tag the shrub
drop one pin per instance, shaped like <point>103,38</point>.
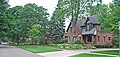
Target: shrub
<point>71,46</point>
<point>78,46</point>
<point>100,46</point>
<point>114,47</point>
<point>78,42</point>
<point>61,41</point>
<point>103,46</point>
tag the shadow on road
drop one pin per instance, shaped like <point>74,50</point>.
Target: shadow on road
<point>4,46</point>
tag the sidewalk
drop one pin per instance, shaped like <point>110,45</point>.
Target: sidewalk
<point>104,54</point>
<point>67,53</point>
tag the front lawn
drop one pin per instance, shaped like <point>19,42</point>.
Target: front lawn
<point>39,49</point>
<point>49,48</point>
<point>89,55</point>
<point>112,52</point>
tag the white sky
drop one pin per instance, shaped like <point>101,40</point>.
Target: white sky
<point>49,4</point>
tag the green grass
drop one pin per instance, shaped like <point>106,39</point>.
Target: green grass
<point>46,48</point>
<point>112,52</point>
<point>39,49</point>
<point>89,55</point>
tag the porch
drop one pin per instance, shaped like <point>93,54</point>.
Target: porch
<point>88,39</point>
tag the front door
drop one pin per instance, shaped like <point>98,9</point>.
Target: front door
<point>89,38</point>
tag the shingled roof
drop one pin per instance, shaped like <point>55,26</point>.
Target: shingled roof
<point>93,19</point>
<point>80,23</point>
<point>89,32</point>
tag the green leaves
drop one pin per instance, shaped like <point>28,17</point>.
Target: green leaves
<point>108,16</point>
<point>28,21</point>
<point>3,21</point>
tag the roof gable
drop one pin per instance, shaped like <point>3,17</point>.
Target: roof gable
<point>93,19</point>
<point>81,23</point>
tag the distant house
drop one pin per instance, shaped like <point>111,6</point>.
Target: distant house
<point>88,31</point>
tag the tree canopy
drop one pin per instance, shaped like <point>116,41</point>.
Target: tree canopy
<point>28,21</point>
<point>31,21</point>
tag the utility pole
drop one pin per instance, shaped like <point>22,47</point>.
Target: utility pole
<point>119,38</point>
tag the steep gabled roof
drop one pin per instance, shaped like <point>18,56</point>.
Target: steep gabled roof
<point>81,23</point>
<point>93,19</point>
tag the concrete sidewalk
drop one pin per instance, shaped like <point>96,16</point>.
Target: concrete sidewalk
<point>104,54</point>
<point>67,53</point>
<point>11,51</point>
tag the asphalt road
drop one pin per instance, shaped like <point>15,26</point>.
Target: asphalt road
<point>11,51</point>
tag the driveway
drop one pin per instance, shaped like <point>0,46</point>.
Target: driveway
<point>67,53</point>
<point>11,51</point>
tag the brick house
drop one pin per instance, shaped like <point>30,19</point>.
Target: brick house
<point>88,31</point>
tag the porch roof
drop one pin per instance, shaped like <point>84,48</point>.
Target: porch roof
<point>89,32</point>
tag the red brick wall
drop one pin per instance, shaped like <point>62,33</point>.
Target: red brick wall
<point>76,33</point>
<point>107,35</point>
<point>101,35</point>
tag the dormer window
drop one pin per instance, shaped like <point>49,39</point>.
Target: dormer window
<point>89,25</point>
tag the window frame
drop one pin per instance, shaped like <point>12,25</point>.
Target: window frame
<point>89,26</point>
<point>104,39</point>
<point>109,38</point>
<point>98,39</point>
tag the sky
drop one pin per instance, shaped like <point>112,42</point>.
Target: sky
<point>48,4</point>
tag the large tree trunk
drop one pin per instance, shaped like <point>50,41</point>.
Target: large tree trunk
<point>74,20</point>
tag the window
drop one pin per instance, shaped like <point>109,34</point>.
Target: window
<point>88,28</point>
<point>89,25</point>
<point>103,38</point>
<point>98,38</point>
<point>108,38</point>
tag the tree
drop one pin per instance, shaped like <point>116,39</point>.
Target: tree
<point>21,20</point>
<point>108,16</point>
<point>114,18</point>
<point>76,9</point>
<point>3,21</point>
<point>33,16</point>
<point>57,24</point>
<point>57,30</point>
<point>33,33</point>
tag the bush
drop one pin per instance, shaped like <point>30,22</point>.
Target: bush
<point>77,42</point>
<point>78,46</point>
<point>100,46</point>
<point>103,46</point>
<point>114,47</point>
<point>61,41</point>
<point>71,46</point>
